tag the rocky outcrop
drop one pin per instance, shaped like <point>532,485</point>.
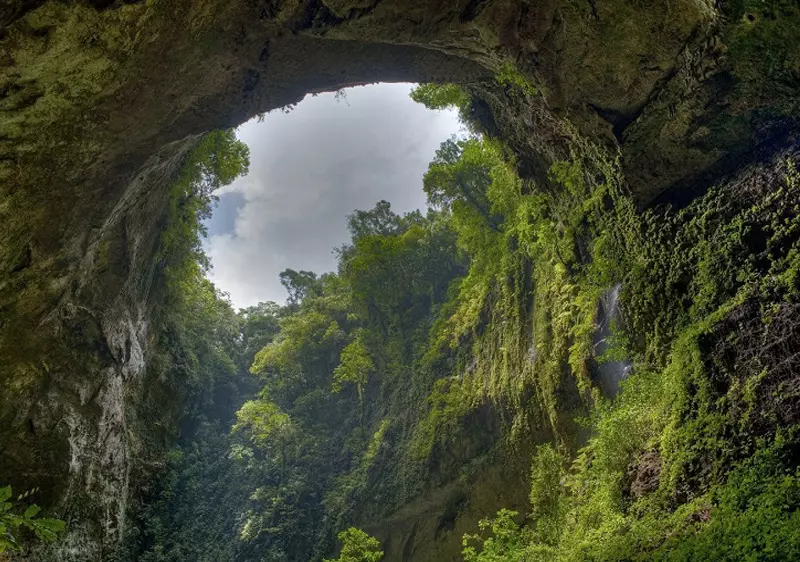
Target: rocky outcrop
<point>71,420</point>
<point>100,100</point>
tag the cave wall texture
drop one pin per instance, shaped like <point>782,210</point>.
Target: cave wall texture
<point>100,99</point>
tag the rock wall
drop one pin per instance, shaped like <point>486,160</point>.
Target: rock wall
<point>100,100</point>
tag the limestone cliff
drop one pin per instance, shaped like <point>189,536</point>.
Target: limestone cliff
<point>100,100</point>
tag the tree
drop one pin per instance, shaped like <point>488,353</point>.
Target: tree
<point>358,546</point>
<point>380,220</point>
<point>299,284</point>
<point>193,381</point>
<point>395,279</point>
<point>354,368</point>
<point>263,421</point>
<point>258,326</point>
<point>217,160</point>
<point>461,172</point>
<point>220,159</point>
<point>444,96</point>
<point>508,541</point>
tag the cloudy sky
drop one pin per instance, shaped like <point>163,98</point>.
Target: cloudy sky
<point>308,170</point>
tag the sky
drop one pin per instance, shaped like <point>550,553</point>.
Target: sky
<point>309,169</point>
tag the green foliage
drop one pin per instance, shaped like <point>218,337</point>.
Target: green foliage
<point>753,516</point>
<point>196,512</point>
<point>16,518</point>
<point>522,244</point>
<point>215,161</point>
<point>369,378</point>
<point>448,96</point>
<point>342,382</point>
<point>299,284</point>
<point>197,374</point>
<point>379,221</point>
<point>304,353</point>
<point>196,328</point>
<point>507,542</point>
<point>548,497</point>
<point>764,41</point>
<point>443,96</point>
<point>460,176</point>
<point>206,487</point>
<point>676,466</point>
<point>358,546</point>
<point>258,326</point>
<point>448,404</point>
<point>509,76</point>
<point>263,420</point>
<point>415,253</point>
<point>354,367</point>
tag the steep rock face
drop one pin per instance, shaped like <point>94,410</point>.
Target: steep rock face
<point>70,420</point>
<point>101,100</point>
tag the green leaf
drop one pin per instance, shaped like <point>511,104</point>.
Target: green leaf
<point>54,525</point>
<point>32,511</point>
<point>5,493</point>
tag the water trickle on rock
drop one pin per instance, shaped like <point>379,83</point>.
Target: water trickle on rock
<point>609,374</point>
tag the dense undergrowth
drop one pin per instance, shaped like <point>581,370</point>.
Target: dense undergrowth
<point>468,334</point>
<point>696,458</point>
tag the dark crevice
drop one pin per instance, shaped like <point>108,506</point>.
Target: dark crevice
<point>101,4</point>
<point>593,8</point>
<point>680,195</point>
<point>453,507</point>
<point>482,113</point>
<point>324,17</point>
<point>25,262</point>
<point>319,16</point>
<point>251,79</point>
<point>10,90</point>
<point>314,15</point>
<point>27,98</point>
<point>472,10</point>
<point>619,121</point>
<point>13,11</point>
<point>357,13</point>
<point>408,547</point>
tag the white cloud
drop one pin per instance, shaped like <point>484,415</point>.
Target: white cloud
<point>308,170</point>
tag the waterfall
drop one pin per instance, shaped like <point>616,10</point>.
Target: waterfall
<point>609,374</point>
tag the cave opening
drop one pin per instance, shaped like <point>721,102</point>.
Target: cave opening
<point>311,165</point>
<point>118,382</point>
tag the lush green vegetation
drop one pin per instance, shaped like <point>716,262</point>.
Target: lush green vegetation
<point>301,452</point>
<point>358,546</point>
<point>695,459</point>
<point>341,377</point>
<point>198,368</point>
<point>365,382</point>
<point>16,520</point>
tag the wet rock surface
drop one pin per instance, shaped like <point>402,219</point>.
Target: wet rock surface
<point>611,369</point>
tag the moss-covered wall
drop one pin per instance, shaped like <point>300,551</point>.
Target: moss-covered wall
<point>100,100</point>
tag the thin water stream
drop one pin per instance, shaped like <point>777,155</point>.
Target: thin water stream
<point>609,374</point>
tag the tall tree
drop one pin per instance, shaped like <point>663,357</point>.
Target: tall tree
<point>299,284</point>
